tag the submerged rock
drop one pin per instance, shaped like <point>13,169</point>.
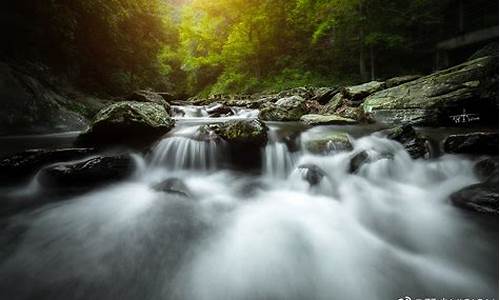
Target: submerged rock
<point>314,120</point>
<point>285,109</point>
<point>415,144</point>
<point>312,174</point>
<point>432,99</point>
<point>89,173</point>
<point>128,123</point>
<point>336,141</point>
<point>21,166</point>
<point>472,143</point>
<point>217,110</point>
<point>173,186</point>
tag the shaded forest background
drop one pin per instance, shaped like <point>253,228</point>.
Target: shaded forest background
<point>222,46</point>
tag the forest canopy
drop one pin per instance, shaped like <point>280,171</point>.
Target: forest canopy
<point>222,46</point>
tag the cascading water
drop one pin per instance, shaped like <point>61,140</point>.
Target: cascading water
<point>384,232</point>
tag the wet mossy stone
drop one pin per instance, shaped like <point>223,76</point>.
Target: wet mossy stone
<point>336,141</point>
<point>414,143</point>
<point>128,123</point>
<point>314,120</point>
<point>285,109</point>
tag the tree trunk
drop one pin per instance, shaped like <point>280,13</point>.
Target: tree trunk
<point>362,64</point>
<point>372,62</point>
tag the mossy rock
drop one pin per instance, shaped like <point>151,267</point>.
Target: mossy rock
<point>285,109</point>
<point>241,132</point>
<point>315,120</point>
<point>331,142</point>
<point>128,123</point>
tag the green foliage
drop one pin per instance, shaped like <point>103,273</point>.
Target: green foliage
<point>225,46</point>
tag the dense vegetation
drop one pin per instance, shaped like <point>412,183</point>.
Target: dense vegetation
<point>222,46</point>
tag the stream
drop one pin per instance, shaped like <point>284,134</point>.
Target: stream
<point>385,232</point>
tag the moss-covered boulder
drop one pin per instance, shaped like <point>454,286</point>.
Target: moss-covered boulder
<point>327,143</point>
<point>128,123</point>
<point>433,99</point>
<point>149,96</point>
<point>315,120</point>
<point>285,109</point>
<point>245,140</point>
<point>360,92</point>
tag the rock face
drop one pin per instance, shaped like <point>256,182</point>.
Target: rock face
<point>173,186</point>
<point>414,144</point>
<point>128,123</point>
<point>314,120</point>
<point>323,145</point>
<point>31,105</point>
<point>285,109</point>
<point>89,173</point>
<point>472,143</point>
<point>431,100</point>
<point>245,139</point>
<point>22,166</point>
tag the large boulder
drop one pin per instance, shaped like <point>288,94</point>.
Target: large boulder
<point>433,99</point>
<point>149,96</point>
<point>396,81</point>
<point>217,110</point>
<point>327,143</point>
<point>286,109</point>
<point>128,123</point>
<point>244,138</point>
<point>324,95</point>
<point>21,166</point>
<point>472,143</point>
<point>415,144</point>
<point>90,173</point>
<point>314,120</point>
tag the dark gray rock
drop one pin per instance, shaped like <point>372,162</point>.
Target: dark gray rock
<point>22,166</point>
<point>89,173</point>
<point>414,144</point>
<point>149,96</point>
<point>487,168</point>
<point>357,161</point>
<point>173,186</point>
<point>217,110</point>
<point>481,198</point>
<point>472,143</point>
<point>324,95</point>
<point>312,174</point>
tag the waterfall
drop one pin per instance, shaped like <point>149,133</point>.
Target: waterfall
<point>182,153</point>
<point>278,161</point>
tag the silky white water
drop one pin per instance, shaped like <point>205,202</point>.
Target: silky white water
<point>384,233</point>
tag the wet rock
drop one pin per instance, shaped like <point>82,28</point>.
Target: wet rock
<point>360,92</point>
<point>472,143</point>
<point>481,197</point>
<point>128,123</point>
<point>302,92</point>
<point>415,144</point>
<point>285,109</point>
<point>357,161</point>
<point>396,81</point>
<point>324,95</point>
<point>314,120</point>
<point>22,166</point>
<point>149,96</point>
<point>432,99</point>
<point>332,106</point>
<point>217,110</point>
<point>173,186</point>
<point>89,173</point>
<point>330,142</point>
<point>168,97</point>
<point>245,139</point>
<point>312,174</point>
<point>487,168</point>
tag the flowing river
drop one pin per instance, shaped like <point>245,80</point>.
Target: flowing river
<point>385,232</point>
